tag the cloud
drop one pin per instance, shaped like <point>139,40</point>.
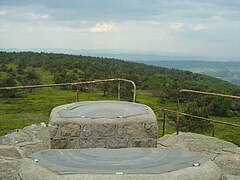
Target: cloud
<point>199,27</point>
<point>38,16</point>
<point>175,25</point>
<point>44,16</point>
<point>119,10</point>
<point>103,27</point>
<point>155,24</point>
<point>73,30</point>
<point>150,22</point>
<point>26,30</point>
<point>3,12</point>
<point>3,30</point>
<point>125,10</point>
<point>88,27</point>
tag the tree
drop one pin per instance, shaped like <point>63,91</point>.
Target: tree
<point>65,76</point>
<point>220,107</point>
<point>7,80</point>
<point>164,87</point>
<point>31,77</point>
<point>193,124</point>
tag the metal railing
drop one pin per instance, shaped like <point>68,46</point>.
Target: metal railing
<point>77,85</point>
<point>193,116</point>
<point>202,118</point>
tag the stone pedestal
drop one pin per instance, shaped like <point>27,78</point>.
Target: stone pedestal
<point>103,124</point>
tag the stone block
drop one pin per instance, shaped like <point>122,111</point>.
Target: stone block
<point>121,131</point>
<point>144,142</point>
<point>9,168</point>
<point>14,138</point>
<point>105,130</point>
<point>92,143</point>
<point>133,129</point>
<point>117,143</point>
<point>37,132</point>
<point>87,130</point>
<point>32,147</point>
<point>53,130</point>
<point>225,154</point>
<point>151,130</point>
<point>195,142</point>
<point>229,163</point>
<point>9,151</point>
<point>72,143</point>
<point>71,130</point>
<point>58,143</point>
<point>30,170</point>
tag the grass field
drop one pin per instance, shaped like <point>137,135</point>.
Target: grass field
<point>35,107</point>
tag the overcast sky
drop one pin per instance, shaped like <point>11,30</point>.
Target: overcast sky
<point>204,27</point>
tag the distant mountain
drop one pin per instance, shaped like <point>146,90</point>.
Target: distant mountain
<point>194,64</point>
<point>125,54</point>
<point>228,71</point>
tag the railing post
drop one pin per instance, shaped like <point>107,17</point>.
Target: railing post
<point>213,131</point>
<point>78,93</point>
<point>119,90</point>
<point>177,121</point>
<point>134,91</point>
<point>164,120</point>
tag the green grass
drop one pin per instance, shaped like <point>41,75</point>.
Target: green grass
<point>35,107</point>
<point>228,133</point>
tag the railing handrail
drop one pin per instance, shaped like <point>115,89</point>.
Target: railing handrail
<point>209,93</point>
<point>76,84</point>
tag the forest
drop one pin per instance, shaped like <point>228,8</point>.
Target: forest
<point>21,69</point>
<point>162,84</point>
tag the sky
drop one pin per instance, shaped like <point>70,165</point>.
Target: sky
<point>204,27</point>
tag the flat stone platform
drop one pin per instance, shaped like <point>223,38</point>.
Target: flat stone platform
<point>127,163</point>
<point>123,161</point>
